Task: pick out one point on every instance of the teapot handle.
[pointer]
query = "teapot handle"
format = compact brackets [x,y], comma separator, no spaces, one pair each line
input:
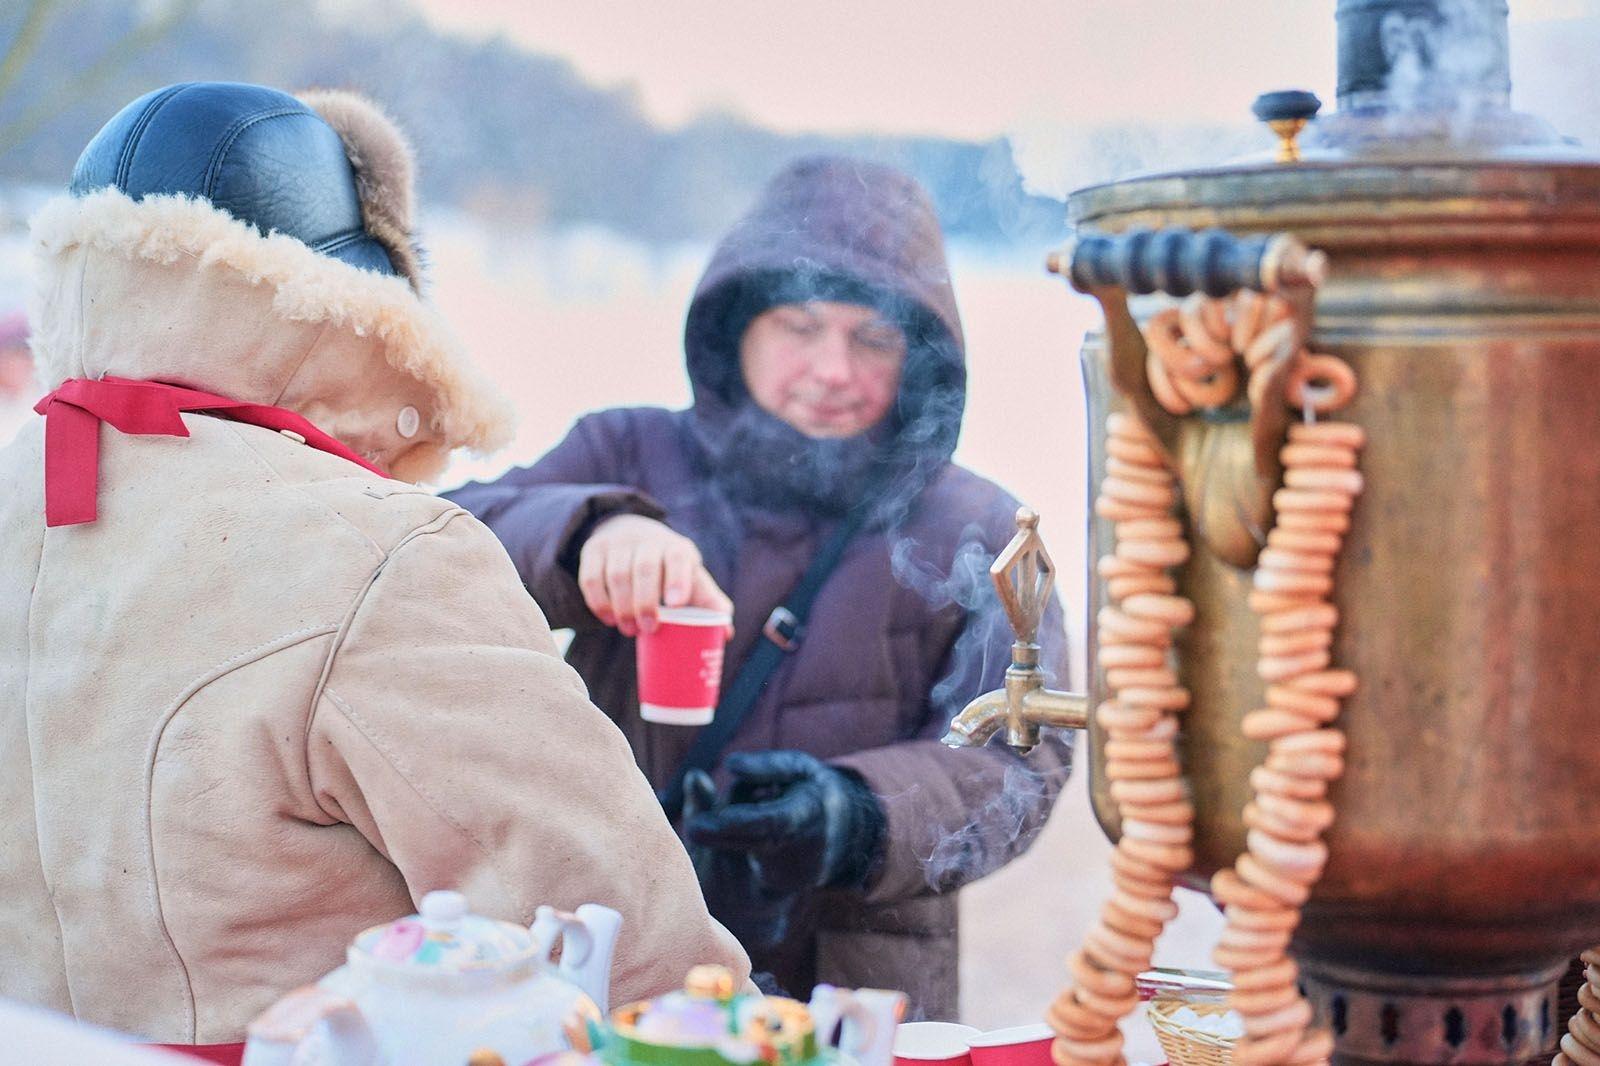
[588,939]
[870,1016]
[274,1037]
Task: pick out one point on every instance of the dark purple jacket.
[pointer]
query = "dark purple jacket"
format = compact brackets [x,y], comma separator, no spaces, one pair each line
[905,632]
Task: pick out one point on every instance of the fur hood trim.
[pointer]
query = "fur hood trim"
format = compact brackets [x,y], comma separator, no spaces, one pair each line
[385,169]
[306,287]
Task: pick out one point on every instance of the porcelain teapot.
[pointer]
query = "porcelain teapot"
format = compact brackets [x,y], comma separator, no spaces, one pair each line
[711,1024]
[436,987]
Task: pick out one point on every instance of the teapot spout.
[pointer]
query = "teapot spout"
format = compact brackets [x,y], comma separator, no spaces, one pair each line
[275,1036]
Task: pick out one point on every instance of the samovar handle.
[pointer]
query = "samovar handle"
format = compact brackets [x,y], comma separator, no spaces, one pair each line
[1179,262]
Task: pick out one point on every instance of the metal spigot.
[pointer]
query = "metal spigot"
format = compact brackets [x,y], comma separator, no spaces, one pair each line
[1023,575]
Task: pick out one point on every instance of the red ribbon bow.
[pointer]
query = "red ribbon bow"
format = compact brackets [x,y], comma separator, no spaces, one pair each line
[74,411]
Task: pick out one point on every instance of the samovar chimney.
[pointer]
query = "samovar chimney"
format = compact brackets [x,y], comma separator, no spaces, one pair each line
[1423,54]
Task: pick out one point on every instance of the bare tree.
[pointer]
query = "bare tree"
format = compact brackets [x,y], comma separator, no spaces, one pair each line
[64,88]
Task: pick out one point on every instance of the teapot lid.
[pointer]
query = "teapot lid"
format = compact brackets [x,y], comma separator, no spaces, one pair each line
[445,938]
[710,1024]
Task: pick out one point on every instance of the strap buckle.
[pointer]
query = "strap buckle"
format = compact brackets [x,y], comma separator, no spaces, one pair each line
[783,628]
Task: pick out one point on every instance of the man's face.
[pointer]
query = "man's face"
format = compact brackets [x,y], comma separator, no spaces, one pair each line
[828,369]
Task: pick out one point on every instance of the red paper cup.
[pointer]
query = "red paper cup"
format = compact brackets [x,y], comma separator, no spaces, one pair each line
[933,1044]
[680,666]
[1021,1045]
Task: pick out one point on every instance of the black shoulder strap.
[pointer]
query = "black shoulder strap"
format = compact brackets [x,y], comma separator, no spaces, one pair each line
[781,635]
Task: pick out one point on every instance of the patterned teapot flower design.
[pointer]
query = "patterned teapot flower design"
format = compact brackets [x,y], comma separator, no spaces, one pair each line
[710,1023]
[437,986]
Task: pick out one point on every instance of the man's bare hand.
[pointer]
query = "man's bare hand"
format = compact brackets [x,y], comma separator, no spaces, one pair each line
[631,566]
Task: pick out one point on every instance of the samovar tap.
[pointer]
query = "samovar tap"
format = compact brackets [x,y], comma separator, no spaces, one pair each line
[1023,575]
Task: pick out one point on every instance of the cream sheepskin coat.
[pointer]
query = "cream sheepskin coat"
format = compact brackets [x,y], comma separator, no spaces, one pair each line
[268,699]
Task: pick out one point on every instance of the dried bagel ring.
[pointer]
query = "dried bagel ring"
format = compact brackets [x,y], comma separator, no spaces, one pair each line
[1120,920]
[1295,1016]
[1297,861]
[1104,1049]
[1308,764]
[1315,373]
[1113,565]
[1248,314]
[1243,959]
[1270,344]
[1316,521]
[1256,817]
[1265,779]
[1324,478]
[1277,917]
[1295,643]
[1232,890]
[1125,676]
[1283,889]
[1131,655]
[1120,588]
[1337,683]
[1327,741]
[1329,434]
[1163,335]
[1268,723]
[1316,616]
[1285,972]
[1172,790]
[1318,456]
[1216,389]
[1178,812]
[1576,1051]
[1210,346]
[1265,1051]
[1282,668]
[1106,982]
[1263,602]
[1163,728]
[1161,387]
[1315,1047]
[1589,997]
[1112,715]
[1171,610]
[1266,1000]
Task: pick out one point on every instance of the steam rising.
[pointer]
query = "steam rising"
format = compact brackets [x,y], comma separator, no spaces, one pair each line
[1003,819]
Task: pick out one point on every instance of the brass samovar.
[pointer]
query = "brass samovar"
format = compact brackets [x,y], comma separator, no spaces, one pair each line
[1463,286]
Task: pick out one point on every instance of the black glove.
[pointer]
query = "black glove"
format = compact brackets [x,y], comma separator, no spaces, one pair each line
[729,880]
[802,823]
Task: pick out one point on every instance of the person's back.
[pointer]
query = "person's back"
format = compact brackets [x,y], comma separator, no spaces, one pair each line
[262,697]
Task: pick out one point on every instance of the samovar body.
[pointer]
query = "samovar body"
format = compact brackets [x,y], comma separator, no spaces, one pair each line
[1465,292]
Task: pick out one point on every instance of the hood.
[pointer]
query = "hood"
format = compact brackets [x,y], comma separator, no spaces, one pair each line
[841,229]
[172,288]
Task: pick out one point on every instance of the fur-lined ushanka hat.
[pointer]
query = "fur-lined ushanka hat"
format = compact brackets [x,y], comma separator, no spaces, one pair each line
[310,200]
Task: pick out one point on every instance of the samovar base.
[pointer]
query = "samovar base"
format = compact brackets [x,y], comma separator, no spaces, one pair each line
[1381,1017]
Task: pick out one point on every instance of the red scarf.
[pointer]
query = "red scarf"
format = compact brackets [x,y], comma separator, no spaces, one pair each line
[74,411]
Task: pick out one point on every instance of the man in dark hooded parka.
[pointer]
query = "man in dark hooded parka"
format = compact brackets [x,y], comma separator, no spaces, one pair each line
[828,366]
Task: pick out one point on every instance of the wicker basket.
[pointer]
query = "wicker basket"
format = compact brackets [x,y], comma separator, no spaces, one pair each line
[1184,1045]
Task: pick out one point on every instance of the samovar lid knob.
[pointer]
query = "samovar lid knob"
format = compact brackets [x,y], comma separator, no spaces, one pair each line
[1287,111]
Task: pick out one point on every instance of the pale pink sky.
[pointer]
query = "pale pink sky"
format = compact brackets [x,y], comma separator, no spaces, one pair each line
[961,68]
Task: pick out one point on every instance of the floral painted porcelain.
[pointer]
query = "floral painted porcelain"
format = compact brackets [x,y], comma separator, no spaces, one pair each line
[439,986]
[710,1023]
